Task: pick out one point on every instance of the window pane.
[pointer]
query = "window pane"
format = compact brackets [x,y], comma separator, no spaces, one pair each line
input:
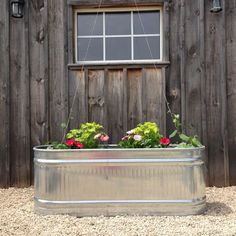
[141,48]
[93,48]
[118,48]
[90,24]
[118,23]
[147,22]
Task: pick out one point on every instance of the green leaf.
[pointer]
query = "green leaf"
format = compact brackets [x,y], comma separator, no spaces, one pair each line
[184,145]
[184,137]
[69,136]
[196,142]
[172,135]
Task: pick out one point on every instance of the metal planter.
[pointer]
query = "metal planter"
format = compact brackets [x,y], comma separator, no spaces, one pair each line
[115,181]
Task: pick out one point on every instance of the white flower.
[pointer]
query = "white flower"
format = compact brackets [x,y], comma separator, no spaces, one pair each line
[97,136]
[137,137]
[130,132]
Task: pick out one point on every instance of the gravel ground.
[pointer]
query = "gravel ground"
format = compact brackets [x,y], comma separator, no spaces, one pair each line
[17,218]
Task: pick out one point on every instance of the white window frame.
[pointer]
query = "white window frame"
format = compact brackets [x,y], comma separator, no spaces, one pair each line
[132,36]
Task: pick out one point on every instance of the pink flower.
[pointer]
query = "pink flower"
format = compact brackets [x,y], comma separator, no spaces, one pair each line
[104,138]
[125,138]
[79,145]
[164,141]
[70,142]
[97,136]
[137,137]
[131,132]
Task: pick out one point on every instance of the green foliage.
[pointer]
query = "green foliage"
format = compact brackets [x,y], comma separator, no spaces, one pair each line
[186,141]
[56,145]
[173,134]
[85,134]
[146,135]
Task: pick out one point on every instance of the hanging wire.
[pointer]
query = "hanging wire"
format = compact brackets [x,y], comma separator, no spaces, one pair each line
[152,57]
[82,69]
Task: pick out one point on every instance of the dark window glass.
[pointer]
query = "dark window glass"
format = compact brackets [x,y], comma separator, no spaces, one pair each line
[118,48]
[147,22]
[142,50]
[90,50]
[90,24]
[118,23]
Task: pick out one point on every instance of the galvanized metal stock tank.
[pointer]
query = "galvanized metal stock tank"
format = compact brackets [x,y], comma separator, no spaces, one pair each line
[115,181]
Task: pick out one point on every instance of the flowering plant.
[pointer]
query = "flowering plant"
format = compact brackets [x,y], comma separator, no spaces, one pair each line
[89,135]
[146,135]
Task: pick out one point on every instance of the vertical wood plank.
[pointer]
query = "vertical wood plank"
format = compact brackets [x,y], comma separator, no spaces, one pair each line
[166,31]
[164,101]
[115,105]
[195,82]
[97,98]
[78,85]
[70,34]
[173,73]
[216,96]
[58,73]
[4,95]
[204,136]
[193,68]
[154,97]
[182,63]
[20,101]
[134,99]
[38,67]
[230,8]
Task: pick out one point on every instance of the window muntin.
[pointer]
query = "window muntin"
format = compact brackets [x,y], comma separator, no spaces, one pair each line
[114,36]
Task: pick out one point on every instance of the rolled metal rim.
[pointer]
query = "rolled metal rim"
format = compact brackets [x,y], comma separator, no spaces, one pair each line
[112,147]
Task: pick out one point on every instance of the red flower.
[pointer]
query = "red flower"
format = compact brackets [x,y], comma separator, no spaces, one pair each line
[79,145]
[104,138]
[164,141]
[70,142]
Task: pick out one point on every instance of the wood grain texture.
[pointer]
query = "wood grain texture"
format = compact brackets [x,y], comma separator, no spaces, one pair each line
[58,73]
[173,73]
[134,97]
[230,8]
[4,95]
[38,68]
[116,104]
[166,32]
[216,97]
[78,84]
[20,101]
[113,2]
[153,97]
[197,73]
[96,97]
[193,51]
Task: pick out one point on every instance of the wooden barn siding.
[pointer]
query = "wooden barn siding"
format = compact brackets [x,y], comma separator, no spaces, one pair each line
[37,89]
[4,96]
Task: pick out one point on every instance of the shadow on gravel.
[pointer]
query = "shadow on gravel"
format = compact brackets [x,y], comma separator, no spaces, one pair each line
[217,208]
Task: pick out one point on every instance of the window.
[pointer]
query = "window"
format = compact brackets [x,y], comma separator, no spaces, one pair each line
[111,36]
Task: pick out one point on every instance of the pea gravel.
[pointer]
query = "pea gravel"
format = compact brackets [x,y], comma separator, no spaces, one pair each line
[17,218]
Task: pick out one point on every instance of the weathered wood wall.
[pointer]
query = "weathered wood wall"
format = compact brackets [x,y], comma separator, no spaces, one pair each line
[37,86]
